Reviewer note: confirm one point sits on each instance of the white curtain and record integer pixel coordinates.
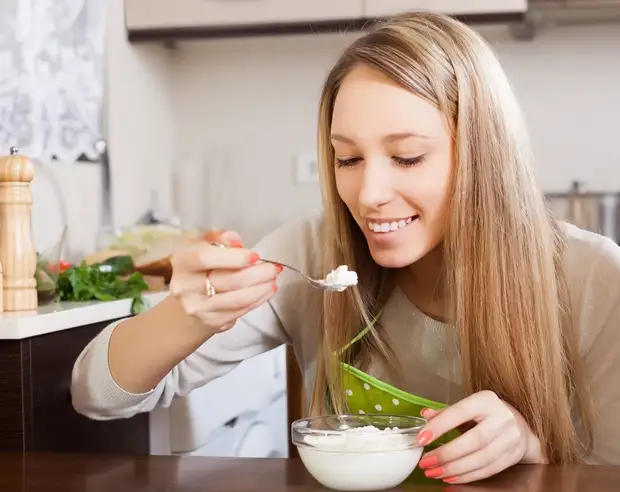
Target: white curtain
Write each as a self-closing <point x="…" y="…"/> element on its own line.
<point x="51" y="76"/>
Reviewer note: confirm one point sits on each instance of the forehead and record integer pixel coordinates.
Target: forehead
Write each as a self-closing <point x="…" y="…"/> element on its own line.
<point x="370" y="104"/>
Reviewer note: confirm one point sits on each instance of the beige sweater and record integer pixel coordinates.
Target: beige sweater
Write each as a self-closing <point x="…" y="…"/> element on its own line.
<point x="593" y="266"/>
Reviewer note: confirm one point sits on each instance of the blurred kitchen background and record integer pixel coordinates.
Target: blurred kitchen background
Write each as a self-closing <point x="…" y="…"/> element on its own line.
<point x="219" y="132"/>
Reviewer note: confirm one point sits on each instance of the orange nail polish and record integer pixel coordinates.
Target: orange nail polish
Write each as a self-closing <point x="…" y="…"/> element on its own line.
<point x="434" y="472"/>
<point x="428" y="462"/>
<point x="275" y="288"/>
<point x="424" y="438"/>
<point x="236" y="244"/>
<point x="279" y="268"/>
<point x="450" y="479"/>
<point x="253" y="259"/>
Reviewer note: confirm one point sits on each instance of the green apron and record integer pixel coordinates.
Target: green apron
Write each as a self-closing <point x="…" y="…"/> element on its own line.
<point x="365" y="394"/>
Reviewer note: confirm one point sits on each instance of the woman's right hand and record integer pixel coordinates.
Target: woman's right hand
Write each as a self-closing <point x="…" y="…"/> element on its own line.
<point x="239" y="280"/>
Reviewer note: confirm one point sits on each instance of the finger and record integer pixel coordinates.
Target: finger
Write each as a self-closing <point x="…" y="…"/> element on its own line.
<point x="239" y="299"/>
<point x="497" y="465"/>
<point x="208" y="257"/>
<point x="229" y="280"/>
<point x="229" y="318"/>
<point x="223" y="280"/>
<point x="429" y="413"/>
<point x="474" y="449"/>
<point x="231" y="239"/>
<point x="473" y="408"/>
<point x="201" y="307"/>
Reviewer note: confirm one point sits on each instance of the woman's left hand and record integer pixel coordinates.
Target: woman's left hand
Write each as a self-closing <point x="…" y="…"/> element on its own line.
<point x="498" y="439"/>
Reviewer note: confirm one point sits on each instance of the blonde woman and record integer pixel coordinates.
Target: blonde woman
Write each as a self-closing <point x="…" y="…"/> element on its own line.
<point x="470" y="294"/>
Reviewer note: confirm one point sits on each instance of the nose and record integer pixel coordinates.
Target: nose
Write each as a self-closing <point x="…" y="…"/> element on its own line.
<point x="376" y="187"/>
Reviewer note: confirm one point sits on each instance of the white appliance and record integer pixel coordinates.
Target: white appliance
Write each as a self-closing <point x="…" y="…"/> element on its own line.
<point x="242" y="414"/>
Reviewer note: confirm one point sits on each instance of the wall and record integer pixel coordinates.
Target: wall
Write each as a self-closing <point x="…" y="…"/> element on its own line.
<point x="245" y="108"/>
<point x="227" y="118"/>
<point x="139" y="130"/>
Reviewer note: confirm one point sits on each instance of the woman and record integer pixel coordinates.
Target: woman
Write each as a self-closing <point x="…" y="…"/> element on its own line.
<point x="469" y="292"/>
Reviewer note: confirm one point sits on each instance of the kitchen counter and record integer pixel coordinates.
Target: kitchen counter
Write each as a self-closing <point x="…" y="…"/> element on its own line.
<point x="37" y="353"/>
<point x="34" y="472"/>
<point x="55" y="317"/>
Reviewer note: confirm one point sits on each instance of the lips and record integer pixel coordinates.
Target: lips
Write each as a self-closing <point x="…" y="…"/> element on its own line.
<point x="384" y="226"/>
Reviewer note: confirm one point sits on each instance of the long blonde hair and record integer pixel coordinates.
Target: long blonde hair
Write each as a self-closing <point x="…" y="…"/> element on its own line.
<point x="502" y="249"/>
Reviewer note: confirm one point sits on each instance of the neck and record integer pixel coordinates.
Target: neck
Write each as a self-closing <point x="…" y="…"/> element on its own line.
<point x="421" y="283"/>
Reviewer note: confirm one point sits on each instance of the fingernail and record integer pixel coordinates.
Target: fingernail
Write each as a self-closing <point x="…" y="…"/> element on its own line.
<point x="423" y="411"/>
<point x="236" y="244"/>
<point x="450" y="479"/>
<point x="279" y="268"/>
<point x="434" y="472"/>
<point x="428" y="462"/>
<point x="253" y="259"/>
<point x="275" y="288"/>
<point x="424" y="438"/>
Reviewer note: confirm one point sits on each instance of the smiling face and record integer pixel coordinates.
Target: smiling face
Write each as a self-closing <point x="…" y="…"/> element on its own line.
<point x="393" y="166"/>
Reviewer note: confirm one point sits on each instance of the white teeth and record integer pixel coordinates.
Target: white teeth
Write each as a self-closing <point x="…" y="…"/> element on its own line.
<point x="389" y="226"/>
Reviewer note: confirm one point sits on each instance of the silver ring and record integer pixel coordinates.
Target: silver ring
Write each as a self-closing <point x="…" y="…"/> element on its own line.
<point x="218" y="244"/>
<point x="210" y="290"/>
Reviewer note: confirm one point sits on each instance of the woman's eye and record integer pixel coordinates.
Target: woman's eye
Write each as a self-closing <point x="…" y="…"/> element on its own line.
<point x="409" y="161"/>
<point x="347" y="162"/>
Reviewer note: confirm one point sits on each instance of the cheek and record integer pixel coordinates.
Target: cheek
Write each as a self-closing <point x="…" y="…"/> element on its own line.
<point x="435" y="192"/>
<point x="346" y="188"/>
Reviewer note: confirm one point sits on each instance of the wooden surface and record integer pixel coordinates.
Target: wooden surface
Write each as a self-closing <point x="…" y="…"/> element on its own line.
<point x="35" y="403"/>
<point x="69" y="473"/>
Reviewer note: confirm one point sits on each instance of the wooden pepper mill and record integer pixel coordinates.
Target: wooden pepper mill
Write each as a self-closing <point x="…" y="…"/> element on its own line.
<point x="18" y="256"/>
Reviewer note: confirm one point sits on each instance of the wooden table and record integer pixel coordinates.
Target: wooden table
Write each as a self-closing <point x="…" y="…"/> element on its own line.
<point x="33" y="472"/>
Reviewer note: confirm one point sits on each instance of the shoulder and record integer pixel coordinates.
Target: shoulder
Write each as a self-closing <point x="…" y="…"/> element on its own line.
<point x="592" y="266"/>
<point x="593" y="273"/>
<point x="590" y="257"/>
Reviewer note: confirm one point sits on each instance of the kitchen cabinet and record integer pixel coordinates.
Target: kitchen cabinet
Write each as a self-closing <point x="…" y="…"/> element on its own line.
<point x="575" y="3"/>
<point x="181" y="14"/>
<point x="36" y="413"/>
<point x="378" y="8"/>
<point x="37" y="354"/>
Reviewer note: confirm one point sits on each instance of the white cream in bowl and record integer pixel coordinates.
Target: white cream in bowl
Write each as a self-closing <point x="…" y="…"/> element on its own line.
<point x="361" y="458"/>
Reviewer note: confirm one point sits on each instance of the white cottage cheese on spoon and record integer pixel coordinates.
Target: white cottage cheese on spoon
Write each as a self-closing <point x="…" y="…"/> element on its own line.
<point x="341" y="278"/>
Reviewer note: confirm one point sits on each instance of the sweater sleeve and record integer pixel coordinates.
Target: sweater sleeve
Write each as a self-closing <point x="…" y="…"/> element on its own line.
<point x="96" y="395"/>
<point x="599" y="320"/>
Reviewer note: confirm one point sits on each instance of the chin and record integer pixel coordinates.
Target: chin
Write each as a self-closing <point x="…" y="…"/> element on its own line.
<point x="394" y="258"/>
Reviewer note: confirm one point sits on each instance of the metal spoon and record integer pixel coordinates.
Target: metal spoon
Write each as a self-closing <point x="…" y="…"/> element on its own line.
<point x="318" y="283"/>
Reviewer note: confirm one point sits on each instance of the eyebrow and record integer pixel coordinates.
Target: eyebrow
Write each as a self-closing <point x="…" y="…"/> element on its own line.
<point x="393" y="137"/>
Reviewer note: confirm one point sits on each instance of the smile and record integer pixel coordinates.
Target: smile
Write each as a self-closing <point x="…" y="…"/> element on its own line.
<point x="389" y="226"/>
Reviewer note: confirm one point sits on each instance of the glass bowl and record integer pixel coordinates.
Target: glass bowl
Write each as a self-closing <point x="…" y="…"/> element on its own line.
<point x="359" y="452"/>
